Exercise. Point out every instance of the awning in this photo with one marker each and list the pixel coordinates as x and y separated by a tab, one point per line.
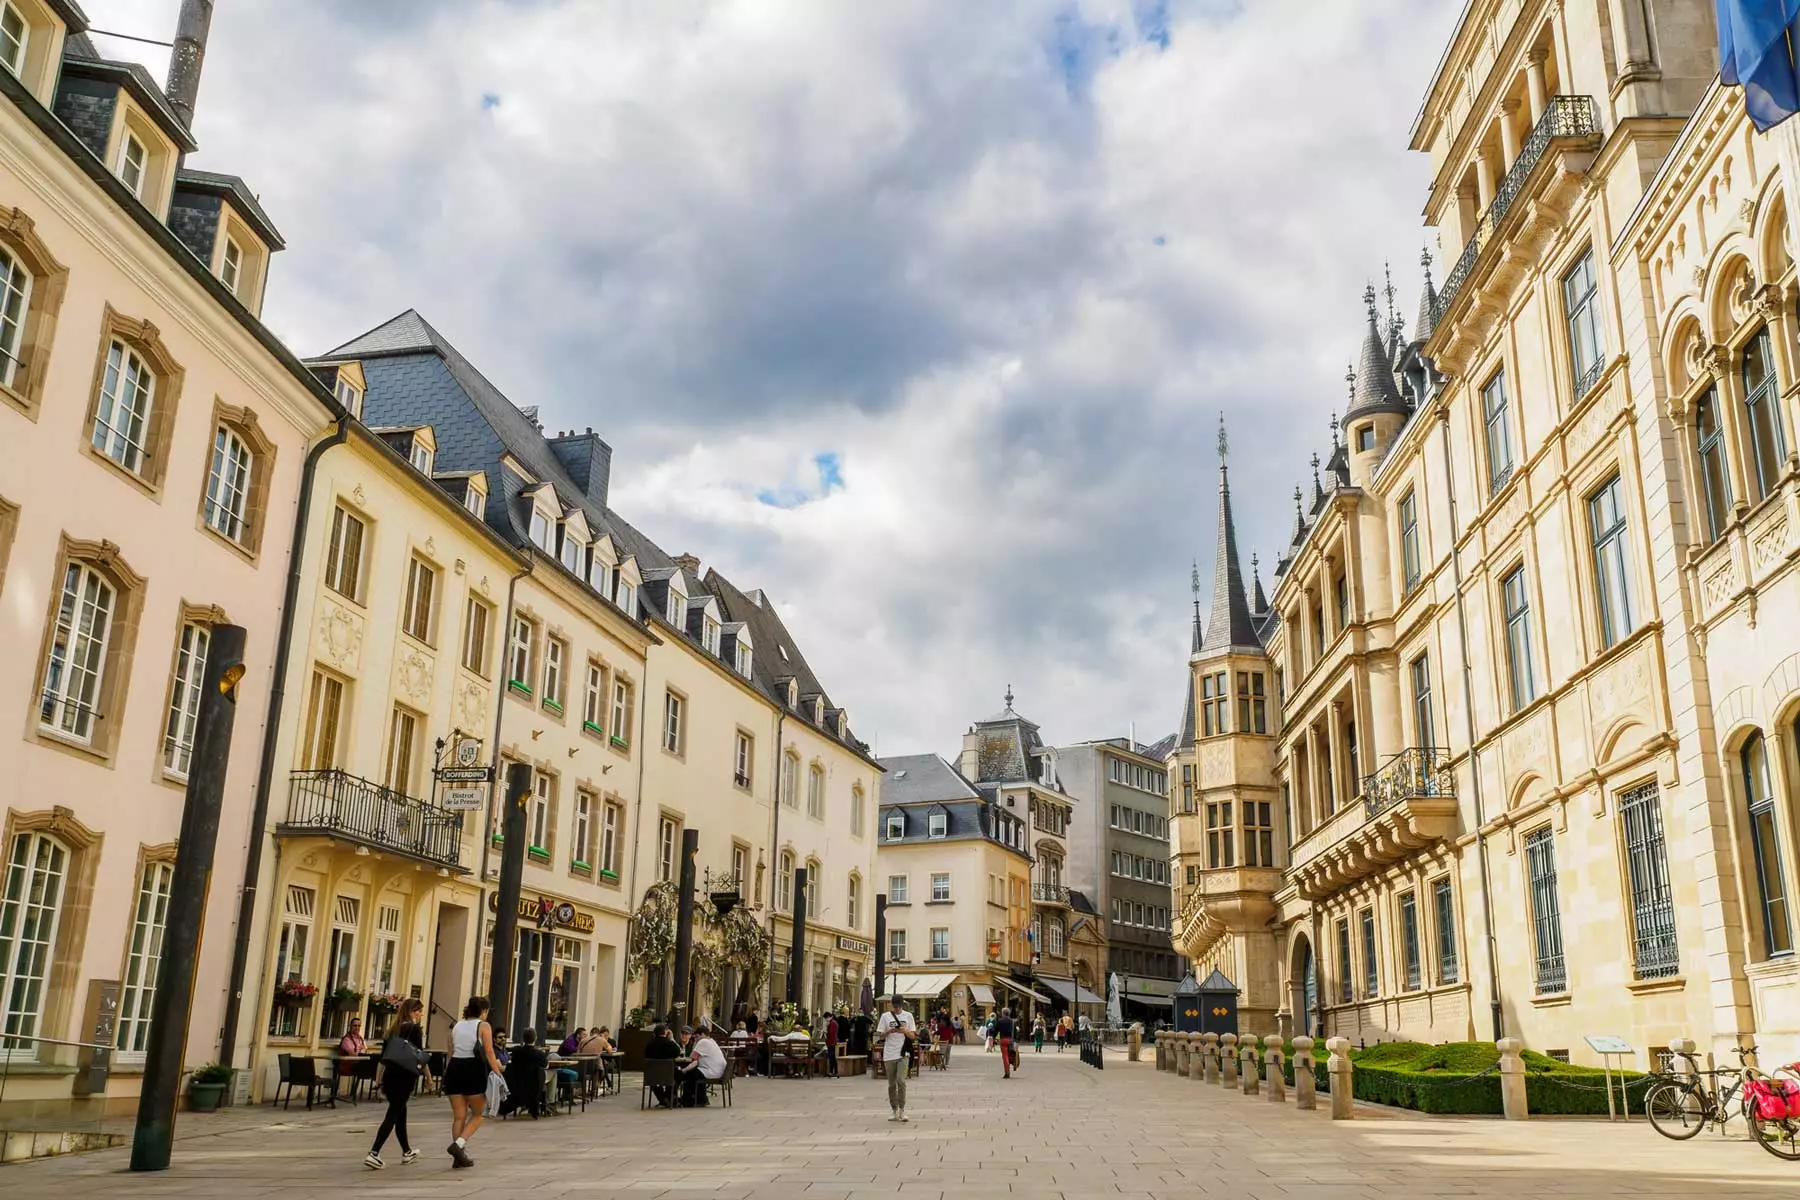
1004	982
982	993
1152	1001
918	985
1137	987
1071	991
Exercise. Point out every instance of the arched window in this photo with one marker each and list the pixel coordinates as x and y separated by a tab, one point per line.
75	669
784	882
32	283
1715	477
1762	414
790	779
815	792
132	409
37	867
856	810
1765	844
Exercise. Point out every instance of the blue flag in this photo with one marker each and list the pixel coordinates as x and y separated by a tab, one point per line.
1757	46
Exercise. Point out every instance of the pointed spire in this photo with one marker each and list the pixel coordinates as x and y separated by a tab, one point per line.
1374	391
1427	319
1229	625
1196	588
1259	603
1299	516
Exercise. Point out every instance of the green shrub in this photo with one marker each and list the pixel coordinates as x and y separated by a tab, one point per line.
1447	1079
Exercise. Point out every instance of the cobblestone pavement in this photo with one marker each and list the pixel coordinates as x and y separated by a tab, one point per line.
1060	1129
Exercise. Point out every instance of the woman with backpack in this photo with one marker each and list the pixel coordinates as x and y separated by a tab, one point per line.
403	1064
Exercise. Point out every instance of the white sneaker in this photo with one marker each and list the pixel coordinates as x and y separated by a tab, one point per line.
893	1114
903	1114
373	1161
411	1156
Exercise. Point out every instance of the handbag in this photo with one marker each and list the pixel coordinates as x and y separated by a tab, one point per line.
399	1053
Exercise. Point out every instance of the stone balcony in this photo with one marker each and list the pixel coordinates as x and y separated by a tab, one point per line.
1224	899
1406	806
1049	893
339	805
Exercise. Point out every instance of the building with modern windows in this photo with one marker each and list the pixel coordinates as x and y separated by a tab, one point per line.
155	434
1525	774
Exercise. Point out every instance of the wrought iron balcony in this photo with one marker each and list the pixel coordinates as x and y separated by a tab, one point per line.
1417	771
343	806
1049	893
1566	118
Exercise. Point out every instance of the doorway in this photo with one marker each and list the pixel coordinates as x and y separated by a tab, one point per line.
448	954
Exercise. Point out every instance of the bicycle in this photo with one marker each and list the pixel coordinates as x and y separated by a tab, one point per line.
1680	1106
1780	1136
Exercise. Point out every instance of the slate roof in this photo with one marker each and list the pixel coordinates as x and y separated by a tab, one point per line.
81	57
1375	391
1162	747
1229	626
1081	904
233	188
1010	749
415	377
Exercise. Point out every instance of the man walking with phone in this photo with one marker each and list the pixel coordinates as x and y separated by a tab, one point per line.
896	1029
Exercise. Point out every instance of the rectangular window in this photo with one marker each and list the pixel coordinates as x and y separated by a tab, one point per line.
403	745
133	163
1654	954
290	955
1365	439
1765	845
324	714
612	817
1220	852
1612	562
385	964
1342	591
1371	961
231	265
1444	913
940	944
343	557
593	698
540	815
621	712
938	825
790	780
1499	433
709	636
1521	682
421	589
15	35
857	804
896	826
853	903
580	847
1715	476
184	700
1587	341
1346	985
228	485
1546	912
541	532
815	792
666	838
1762	416
1243	698
1411	559
476	621
1259	709
1409	940
896	945
673	711
897	890
571	551
741	653
554	652
138	988
1424	727
1259	835
940	886
744	760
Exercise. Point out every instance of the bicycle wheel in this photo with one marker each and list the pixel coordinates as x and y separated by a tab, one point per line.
1676	1110
1780	1136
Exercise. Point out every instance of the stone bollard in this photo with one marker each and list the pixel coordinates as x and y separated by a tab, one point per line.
1164	1053
1184	1053
1209	1056
1272	1077
1196	1059
1512	1079
1137	1042
1343	1080
1228	1060
1304	1083
1249	1070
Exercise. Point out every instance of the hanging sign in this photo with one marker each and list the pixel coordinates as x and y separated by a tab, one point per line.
547	914
462	799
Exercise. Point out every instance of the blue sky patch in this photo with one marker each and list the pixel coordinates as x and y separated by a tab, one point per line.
793	493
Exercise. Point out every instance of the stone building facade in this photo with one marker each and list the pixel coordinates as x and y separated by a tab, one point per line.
1529	775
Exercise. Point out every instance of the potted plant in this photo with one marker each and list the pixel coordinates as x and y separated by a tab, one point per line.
385	1004
345	998
293	993
206	1087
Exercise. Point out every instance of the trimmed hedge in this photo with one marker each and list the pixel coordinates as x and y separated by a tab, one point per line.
1437	1079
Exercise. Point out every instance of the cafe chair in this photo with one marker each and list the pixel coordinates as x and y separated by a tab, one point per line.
658	1073
722	1085
303	1072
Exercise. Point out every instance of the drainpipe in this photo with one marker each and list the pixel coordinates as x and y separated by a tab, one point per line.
637	817
1468	678
265	769
495	784
775	854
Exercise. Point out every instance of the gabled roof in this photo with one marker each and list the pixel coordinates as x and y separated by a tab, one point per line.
234	189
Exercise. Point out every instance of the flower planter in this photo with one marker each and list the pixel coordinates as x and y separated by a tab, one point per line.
205	1097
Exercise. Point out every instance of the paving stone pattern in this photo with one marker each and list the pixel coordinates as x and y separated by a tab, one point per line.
1060	1129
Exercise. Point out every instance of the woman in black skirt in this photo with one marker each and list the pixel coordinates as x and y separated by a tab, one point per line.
466	1076
397	1084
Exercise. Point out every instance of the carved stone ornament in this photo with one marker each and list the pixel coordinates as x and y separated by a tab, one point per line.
415	677
1718	361
431	544
1746	210
1740	300
471	703
340	636
1699	276
1695	355
356	493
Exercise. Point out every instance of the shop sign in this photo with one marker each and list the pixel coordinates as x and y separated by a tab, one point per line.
462	799
546	913
855	945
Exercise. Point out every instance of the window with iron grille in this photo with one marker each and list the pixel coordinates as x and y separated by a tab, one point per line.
1409	940
1546	912
1653	950
1449	968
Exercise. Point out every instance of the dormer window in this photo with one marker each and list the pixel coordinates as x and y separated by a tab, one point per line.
743	659
475	501
676	609
939	825
133	163
895	827
571	551
600	575
349	395
14	35
793	694
541	535
709	636
627	597
231	268
421	457
819	711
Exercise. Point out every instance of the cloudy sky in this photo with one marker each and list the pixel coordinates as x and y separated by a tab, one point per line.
918	315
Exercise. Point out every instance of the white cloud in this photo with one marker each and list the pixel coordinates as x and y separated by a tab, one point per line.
923	236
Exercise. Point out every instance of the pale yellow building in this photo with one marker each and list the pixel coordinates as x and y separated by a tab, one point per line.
155	434
1510	787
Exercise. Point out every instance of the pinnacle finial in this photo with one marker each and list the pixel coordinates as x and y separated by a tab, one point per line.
1194	581
1224	442
1297	509
1425	258
1315	465
1009	695
1387	271
1369	299
1253	563
1334	429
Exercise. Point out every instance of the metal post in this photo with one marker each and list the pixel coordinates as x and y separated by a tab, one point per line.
797	966
880	947
684	930
512	878
186	913
546	965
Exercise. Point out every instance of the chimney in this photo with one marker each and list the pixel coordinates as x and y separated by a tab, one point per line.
688	563
588	460
186	59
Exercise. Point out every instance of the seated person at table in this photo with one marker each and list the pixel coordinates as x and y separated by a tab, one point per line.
708	1063
525	1077
740	1034
351	1045
662	1045
572	1043
595	1043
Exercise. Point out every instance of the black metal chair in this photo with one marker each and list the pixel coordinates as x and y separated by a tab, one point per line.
283	1077
303	1072
722	1085
658	1073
